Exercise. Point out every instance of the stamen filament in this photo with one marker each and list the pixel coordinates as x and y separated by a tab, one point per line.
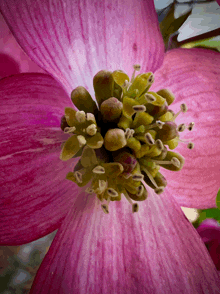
150	176
183	108
158	124
175	161
136	67
127	197
190	145
157	190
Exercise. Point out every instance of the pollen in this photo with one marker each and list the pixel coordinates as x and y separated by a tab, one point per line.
123	142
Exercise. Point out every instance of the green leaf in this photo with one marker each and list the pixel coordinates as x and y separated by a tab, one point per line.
170	25
218	199
210	43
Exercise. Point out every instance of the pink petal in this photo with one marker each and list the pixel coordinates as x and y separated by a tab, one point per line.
209	230
34	193
153	251
13	60
73	40
194	77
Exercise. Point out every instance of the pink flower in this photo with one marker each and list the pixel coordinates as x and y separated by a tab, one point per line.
209	231
153	251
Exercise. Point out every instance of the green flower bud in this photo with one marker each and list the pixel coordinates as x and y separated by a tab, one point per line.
103	83
167	132
114	139
111	109
167	94
83	100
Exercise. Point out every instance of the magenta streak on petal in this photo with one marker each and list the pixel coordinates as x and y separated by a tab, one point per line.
194	77
34	193
153	251
73	40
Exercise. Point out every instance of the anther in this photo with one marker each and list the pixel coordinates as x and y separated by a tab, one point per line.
136	67
159	124
175	162
68	130
190	145
127	197
126	84
137	177
81	116
159	144
139	108
140	190
183	108
191	126
105	208
89	190
78	176
181	128
91	130
135	207
90	116
112	192
149	139
157	189
151	79
81	140
98	170
129	133
150	98
102	185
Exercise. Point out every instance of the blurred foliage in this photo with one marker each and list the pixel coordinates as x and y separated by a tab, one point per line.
211	43
213	213
169	26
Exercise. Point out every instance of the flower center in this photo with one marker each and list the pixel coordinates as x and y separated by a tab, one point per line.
124	141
